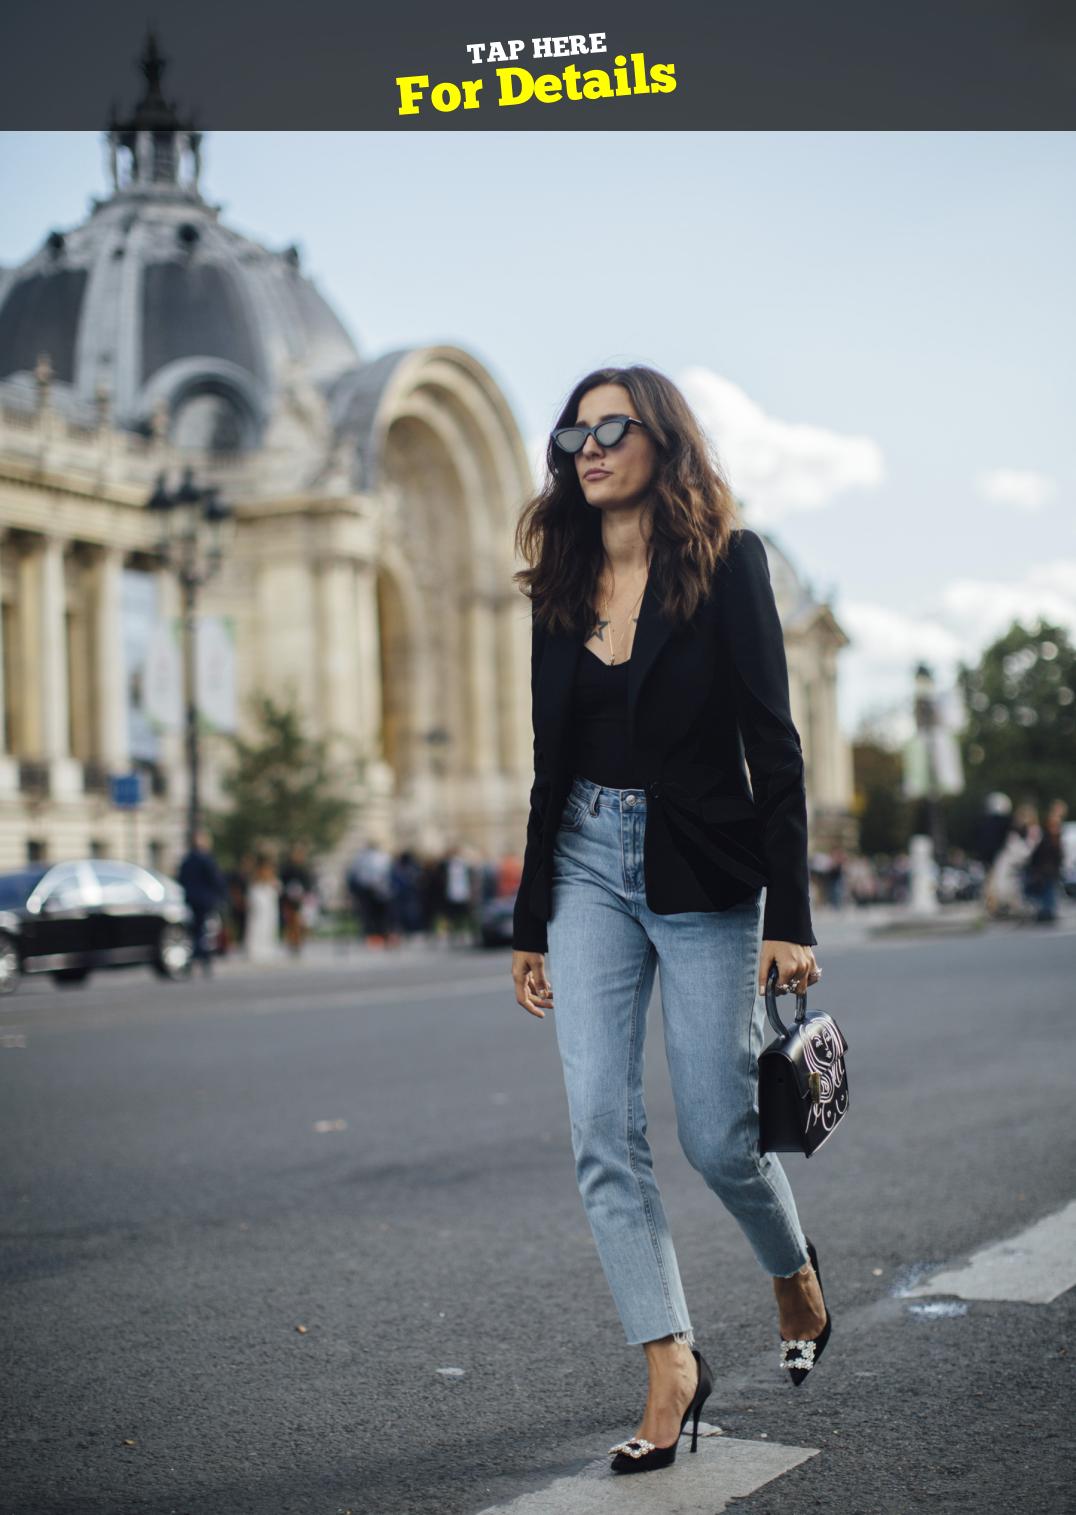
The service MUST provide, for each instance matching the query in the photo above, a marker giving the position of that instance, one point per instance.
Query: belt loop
(593, 806)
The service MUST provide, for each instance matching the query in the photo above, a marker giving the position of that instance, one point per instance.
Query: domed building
(368, 579)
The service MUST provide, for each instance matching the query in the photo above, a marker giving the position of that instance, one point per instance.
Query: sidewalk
(347, 952)
(856, 923)
(851, 924)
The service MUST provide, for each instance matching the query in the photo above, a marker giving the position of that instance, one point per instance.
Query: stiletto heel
(639, 1455)
(800, 1356)
(695, 1429)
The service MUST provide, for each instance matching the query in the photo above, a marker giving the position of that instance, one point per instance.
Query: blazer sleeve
(754, 636)
(528, 931)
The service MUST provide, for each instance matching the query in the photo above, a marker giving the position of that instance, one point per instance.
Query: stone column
(65, 775)
(513, 684)
(110, 671)
(825, 732)
(9, 766)
(368, 648)
(26, 738)
(338, 650)
(286, 623)
(483, 693)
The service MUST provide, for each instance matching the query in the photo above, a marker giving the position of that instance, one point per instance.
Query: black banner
(415, 65)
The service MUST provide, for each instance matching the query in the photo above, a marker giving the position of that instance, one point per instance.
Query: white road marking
(1031, 1268)
(938, 1309)
(721, 1470)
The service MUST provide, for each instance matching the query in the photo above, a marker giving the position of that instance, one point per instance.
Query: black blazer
(702, 696)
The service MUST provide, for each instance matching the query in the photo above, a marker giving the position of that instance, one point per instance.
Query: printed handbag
(802, 1078)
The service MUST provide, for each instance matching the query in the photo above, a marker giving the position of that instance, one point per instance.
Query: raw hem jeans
(604, 945)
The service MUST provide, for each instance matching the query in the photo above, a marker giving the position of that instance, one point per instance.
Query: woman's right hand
(533, 989)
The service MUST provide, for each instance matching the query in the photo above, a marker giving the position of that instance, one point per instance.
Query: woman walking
(658, 662)
(263, 912)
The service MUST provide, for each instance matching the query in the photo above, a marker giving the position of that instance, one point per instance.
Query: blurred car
(73, 918)
(495, 921)
(962, 881)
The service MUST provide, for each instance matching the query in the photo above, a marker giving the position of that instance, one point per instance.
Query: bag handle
(771, 1004)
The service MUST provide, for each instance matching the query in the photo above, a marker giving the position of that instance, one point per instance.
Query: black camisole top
(599, 723)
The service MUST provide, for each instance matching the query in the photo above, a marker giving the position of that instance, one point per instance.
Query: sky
(878, 330)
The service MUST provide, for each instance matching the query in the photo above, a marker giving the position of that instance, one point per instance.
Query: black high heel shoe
(800, 1356)
(639, 1455)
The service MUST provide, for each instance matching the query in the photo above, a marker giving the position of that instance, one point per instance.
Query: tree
(283, 788)
(1021, 704)
(884, 813)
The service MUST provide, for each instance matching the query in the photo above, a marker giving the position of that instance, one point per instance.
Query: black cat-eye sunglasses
(607, 433)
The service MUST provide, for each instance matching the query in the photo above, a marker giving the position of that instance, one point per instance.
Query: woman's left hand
(796, 967)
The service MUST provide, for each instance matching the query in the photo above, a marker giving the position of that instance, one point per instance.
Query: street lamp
(190, 543)
(927, 722)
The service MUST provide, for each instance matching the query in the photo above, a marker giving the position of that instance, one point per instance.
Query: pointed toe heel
(800, 1355)
(641, 1456)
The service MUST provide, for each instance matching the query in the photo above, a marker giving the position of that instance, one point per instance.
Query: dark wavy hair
(692, 510)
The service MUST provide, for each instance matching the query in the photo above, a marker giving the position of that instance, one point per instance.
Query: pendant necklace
(608, 619)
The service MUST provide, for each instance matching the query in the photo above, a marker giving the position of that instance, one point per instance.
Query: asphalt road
(376, 1151)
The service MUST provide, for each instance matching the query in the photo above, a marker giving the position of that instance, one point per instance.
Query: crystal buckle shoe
(809, 1349)
(637, 1455)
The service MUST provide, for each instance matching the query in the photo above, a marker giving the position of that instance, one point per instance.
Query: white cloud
(1020, 487)
(985, 610)
(876, 670)
(778, 468)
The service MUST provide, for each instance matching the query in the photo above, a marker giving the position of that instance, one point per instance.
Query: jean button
(630, 800)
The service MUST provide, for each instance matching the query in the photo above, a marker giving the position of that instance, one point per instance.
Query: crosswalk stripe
(1031, 1268)
(721, 1470)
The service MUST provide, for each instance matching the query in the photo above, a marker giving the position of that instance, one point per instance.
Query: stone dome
(794, 598)
(155, 303)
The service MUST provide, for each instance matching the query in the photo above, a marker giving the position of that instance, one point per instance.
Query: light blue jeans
(604, 944)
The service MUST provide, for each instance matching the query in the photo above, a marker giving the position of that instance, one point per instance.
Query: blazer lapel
(651, 634)
(560, 660)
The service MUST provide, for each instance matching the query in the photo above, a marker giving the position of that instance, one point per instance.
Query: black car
(71, 918)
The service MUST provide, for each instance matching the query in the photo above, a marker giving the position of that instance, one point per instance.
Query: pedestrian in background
(369, 881)
(238, 881)
(993, 827)
(457, 894)
(296, 885)
(263, 912)
(1042, 876)
(407, 879)
(509, 872)
(205, 888)
(1004, 884)
(835, 880)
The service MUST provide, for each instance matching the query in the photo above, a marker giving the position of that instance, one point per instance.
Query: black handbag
(802, 1079)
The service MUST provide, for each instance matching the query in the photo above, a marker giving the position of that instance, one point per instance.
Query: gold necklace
(609, 621)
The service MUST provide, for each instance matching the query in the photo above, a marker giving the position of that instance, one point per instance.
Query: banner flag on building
(215, 663)
(932, 753)
(214, 676)
(163, 688)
